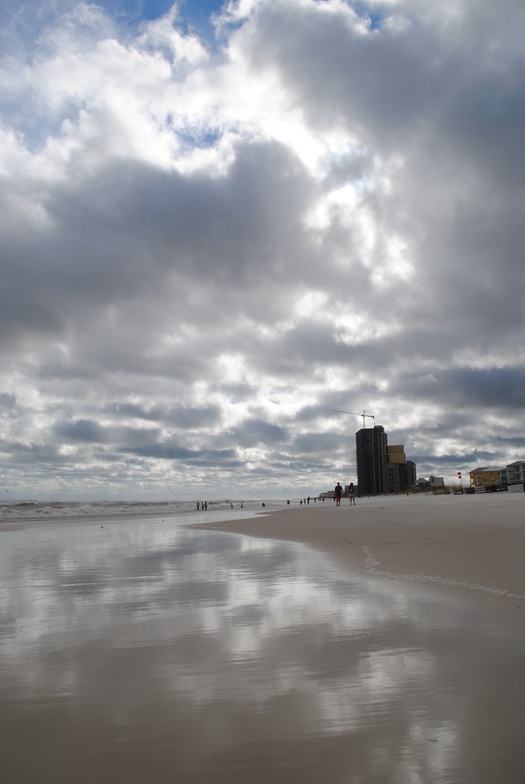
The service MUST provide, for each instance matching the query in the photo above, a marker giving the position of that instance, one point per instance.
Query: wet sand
(381, 644)
(466, 542)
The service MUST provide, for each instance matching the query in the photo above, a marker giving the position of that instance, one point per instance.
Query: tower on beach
(371, 445)
(381, 468)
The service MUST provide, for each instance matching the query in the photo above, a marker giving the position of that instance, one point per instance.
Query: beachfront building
(516, 473)
(371, 444)
(399, 476)
(494, 477)
(408, 475)
(395, 453)
(432, 483)
(381, 468)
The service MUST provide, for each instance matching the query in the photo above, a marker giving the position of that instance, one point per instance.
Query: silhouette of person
(338, 490)
(351, 493)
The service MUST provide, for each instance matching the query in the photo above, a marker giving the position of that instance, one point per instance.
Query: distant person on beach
(338, 490)
(351, 493)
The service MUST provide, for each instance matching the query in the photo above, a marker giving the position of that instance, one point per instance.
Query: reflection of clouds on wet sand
(241, 642)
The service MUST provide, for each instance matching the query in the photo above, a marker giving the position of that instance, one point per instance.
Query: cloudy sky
(220, 222)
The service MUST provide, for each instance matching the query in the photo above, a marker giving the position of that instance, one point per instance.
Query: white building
(516, 472)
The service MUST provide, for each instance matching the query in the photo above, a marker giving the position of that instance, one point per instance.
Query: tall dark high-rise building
(371, 448)
(381, 468)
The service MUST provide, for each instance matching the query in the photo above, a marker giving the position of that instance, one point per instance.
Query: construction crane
(364, 414)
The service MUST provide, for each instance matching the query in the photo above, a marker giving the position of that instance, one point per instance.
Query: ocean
(55, 510)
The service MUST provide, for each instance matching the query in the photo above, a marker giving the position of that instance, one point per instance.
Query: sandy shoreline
(471, 542)
(149, 648)
(474, 542)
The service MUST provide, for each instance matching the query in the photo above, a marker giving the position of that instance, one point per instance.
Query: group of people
(339, 492)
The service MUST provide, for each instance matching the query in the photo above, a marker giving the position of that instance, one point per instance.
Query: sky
(222, 223)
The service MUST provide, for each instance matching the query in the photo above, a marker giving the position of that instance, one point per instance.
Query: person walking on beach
(338, 490)
(351, 493)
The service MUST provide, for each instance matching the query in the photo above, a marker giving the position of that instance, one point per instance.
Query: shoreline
(160, 644)
(472, 542)
(475, 542)
(23, 523)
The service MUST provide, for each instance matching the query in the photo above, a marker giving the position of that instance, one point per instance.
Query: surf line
(371, 567)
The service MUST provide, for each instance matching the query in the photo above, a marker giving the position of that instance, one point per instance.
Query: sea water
(52, 510)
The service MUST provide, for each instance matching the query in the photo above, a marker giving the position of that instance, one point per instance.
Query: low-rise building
(432, 483)
(489, 476)
(516, 472)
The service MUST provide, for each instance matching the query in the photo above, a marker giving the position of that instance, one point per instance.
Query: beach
(382, 643)
(474, 542)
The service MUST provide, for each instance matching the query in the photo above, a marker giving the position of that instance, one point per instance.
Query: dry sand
(470, 542)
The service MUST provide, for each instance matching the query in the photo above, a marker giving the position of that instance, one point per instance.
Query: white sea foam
(51, 510)
(371, 567)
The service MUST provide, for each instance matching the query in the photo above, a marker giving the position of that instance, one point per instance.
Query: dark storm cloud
(33, 454)
(90, 432)
(133, 230)
(183, 417)
(478, 457)
(7, 403)
(379, 84)
(137, 411)
(183, 223)
(419, 69)
(254, 431)
(318, 443)
(451, 101)
(202, 456)
(496, 387)
(82, 430)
